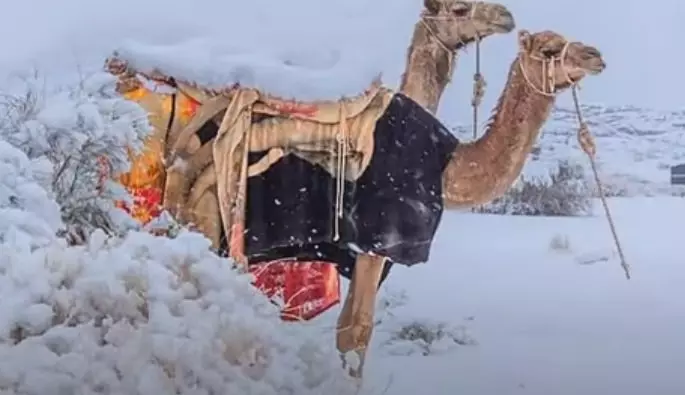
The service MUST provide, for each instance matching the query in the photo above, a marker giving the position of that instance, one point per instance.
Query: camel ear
(525, 40)
(433, 6)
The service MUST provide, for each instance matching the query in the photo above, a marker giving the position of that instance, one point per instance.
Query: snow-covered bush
(131, 314)
(566, 193)
(399, 332)
(82, 131)
(149, 315)
(427, 337)
(29, 218)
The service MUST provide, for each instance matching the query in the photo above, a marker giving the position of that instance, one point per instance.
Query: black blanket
(392, 210)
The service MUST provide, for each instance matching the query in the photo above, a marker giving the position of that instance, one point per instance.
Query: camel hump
(322, 111)
(129, 79)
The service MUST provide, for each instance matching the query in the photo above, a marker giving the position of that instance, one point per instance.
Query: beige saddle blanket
(337, 135)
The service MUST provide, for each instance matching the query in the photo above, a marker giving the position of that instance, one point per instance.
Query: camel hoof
(352, 363)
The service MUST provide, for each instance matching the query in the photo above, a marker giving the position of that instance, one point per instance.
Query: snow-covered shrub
(560, 242)
(83, 131)
(139, 314)
(401, 334)
(149, 315)
(130, 314)
(427, 338)
(567, 192)
(29, 218)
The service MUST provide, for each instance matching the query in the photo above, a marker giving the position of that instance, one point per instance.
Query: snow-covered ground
(547, 317)
(522, 305)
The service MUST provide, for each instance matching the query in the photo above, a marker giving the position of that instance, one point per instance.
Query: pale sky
(641, 41)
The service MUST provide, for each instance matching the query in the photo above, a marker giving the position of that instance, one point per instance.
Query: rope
(588, 145)
(478, 80)
(585, 139)
(169, 125)
(341, 171)
(452, 54)
(478, 90)
(548, 72)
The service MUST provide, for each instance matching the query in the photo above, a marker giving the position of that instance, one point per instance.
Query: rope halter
(478, 80)
(452, 52)
(549, 65)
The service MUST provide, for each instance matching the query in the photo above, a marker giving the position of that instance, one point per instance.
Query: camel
(483, 170)
(429, 67)
(434, 44)
(478, 172)
(444, 28)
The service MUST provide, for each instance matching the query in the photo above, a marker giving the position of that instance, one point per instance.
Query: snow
(543, 320)
(79, 132)
(30, 218)
(506, 305)
(136, 314)
(147, 315)
(216, 67)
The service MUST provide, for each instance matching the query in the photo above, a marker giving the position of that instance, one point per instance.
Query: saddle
(337, 135)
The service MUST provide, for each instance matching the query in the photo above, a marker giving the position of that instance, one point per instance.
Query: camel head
(457, 23)
(552, 63)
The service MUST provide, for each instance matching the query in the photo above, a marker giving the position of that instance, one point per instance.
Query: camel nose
(506, 19)
(603, 64)
(593, 54)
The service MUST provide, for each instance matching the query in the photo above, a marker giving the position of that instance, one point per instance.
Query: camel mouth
(506, 25)
(597, 68)
(592, 59)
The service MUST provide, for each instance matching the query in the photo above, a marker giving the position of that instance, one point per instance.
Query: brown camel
(436, 39)
(547, 64)
(483, 170)
(474, 173)
(445, 27)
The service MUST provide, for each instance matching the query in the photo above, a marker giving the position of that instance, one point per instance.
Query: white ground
(545, 322)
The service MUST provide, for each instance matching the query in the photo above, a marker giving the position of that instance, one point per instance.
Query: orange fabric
(188, 107)
(307, 289)
(147, 204)
(145, 180)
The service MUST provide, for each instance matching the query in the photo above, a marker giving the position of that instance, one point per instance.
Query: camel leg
(355, 323)
(207, 218)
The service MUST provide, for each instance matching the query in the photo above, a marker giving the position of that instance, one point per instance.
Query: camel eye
(460, 12)
(549, 53)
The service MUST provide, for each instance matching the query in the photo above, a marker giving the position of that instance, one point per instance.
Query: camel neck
(513, 129)
(428, 69)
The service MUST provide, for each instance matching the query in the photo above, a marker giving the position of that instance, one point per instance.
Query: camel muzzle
(506, 22)
(596, 63)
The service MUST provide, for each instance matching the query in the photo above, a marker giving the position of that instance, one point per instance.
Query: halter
(548, 65)
(441, 43)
